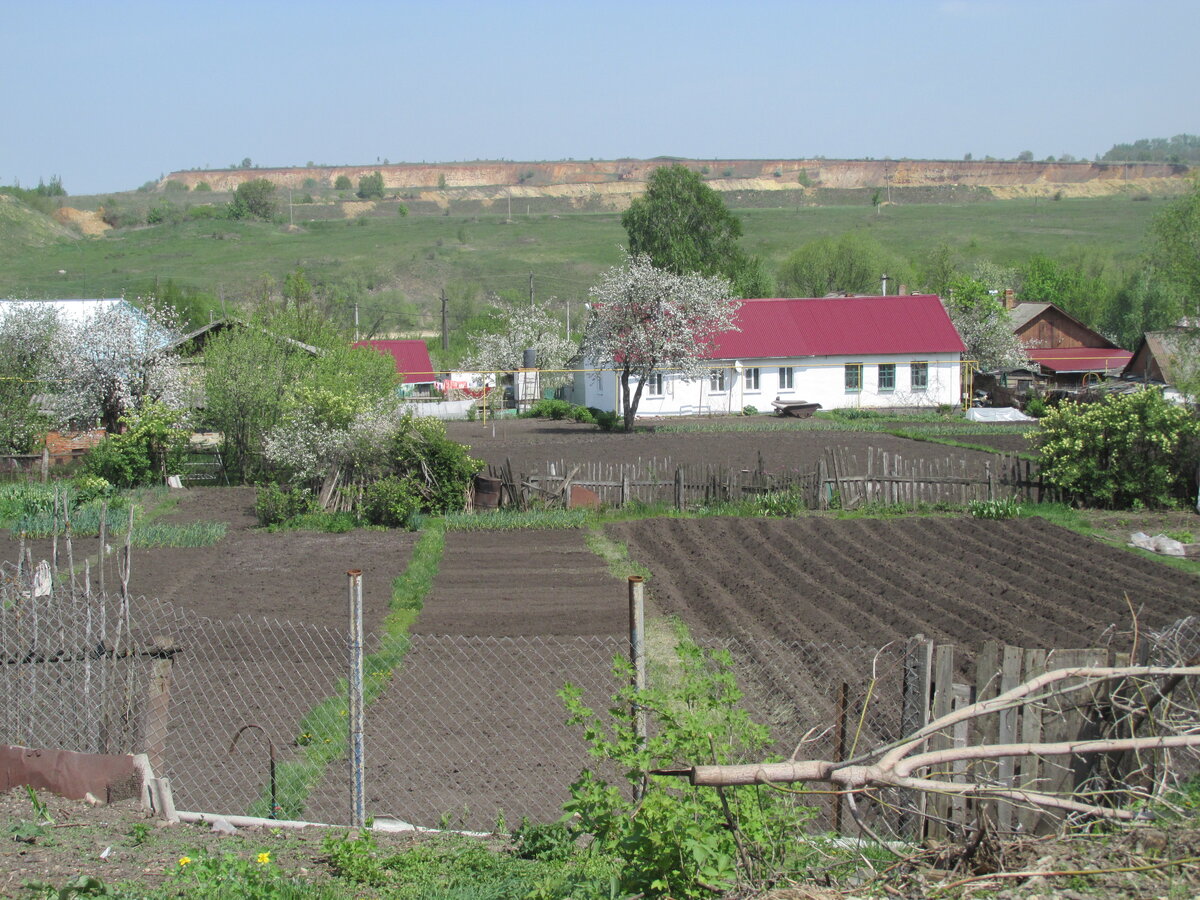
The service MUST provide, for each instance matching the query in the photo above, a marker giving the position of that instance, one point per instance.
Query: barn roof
(412, 359)
(1081, 359)
(839, 326)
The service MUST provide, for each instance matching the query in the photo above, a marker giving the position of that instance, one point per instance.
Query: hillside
(613, 183)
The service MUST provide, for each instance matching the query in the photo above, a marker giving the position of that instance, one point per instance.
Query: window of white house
(654, 384)
(716, 380)
(785, 378)
(853, 377)
(920, 376)
(887, 377)
(752, 379)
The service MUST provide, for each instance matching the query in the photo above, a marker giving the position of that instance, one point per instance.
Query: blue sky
(110, 95)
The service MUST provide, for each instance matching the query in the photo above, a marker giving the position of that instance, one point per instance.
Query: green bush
(1036, 406)
(749, 410)
(391, 501)
(274, 504)
(549, 409)
(677, 841)
(1128, 451)
(90, 487)
(605, 418)
(153, 446)
(440, 467)
(342, 183)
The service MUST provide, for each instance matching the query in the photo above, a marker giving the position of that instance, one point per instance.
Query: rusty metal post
(637, 652)
(358, 811)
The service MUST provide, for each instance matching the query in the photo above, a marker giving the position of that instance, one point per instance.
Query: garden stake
(637, 656)
(271, 750)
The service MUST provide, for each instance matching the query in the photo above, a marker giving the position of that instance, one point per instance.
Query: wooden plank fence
(839, 479)
(935, 686)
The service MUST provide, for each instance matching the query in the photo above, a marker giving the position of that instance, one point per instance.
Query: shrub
(605, 418)
(274, 504)
(749, 410)
(549, 409)
(1130, 450)
(90, 487)
(203, 186)
(440, 467)
(1036, 406)
(342, 183)
(175, 187)
(391, 501)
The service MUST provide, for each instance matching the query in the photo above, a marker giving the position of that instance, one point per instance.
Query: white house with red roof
(882, 352)
(412, 363)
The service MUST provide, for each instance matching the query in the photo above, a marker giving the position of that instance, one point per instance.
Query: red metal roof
(840, 326)
(1081, 359)
(412, 358)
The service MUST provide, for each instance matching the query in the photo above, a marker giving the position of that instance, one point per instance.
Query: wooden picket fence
(840, 479)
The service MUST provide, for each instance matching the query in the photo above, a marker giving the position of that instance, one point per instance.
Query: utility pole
(445, 327)
(531, 290)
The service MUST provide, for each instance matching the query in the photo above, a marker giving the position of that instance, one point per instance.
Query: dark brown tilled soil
(531, 443)
(471, 728)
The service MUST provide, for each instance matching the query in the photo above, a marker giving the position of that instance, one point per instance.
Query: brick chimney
(1010, 299)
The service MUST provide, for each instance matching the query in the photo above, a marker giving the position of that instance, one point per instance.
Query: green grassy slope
(413, 258)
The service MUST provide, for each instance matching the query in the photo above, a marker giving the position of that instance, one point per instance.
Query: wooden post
(843, 702)
(824, 489)
(1006, 732)
(943, 704)
(987, 686)
(624, 486)
(45, 464)
(158, 700)
(679, 487)
(637, 656)
(358, 812)
(914, 715)
(1028, 816)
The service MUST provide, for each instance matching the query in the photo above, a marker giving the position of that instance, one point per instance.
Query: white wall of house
(756, 382)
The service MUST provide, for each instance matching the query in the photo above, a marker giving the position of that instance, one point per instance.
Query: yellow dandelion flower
(184, 860)
(264, 858)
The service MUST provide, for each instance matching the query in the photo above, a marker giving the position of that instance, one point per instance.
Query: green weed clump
(1006, 508)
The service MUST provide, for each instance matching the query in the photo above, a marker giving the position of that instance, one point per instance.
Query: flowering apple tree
(645, 319)
(26, 334)
(518, 328)
(106, 365)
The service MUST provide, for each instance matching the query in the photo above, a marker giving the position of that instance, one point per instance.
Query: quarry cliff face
(619, 180)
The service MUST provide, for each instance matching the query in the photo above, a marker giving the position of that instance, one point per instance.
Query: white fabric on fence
(997, 414)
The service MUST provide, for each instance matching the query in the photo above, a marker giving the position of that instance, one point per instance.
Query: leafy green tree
(1175, 245)
(852, 263)
(1146, 301)
(1128, 451)
(342, 183)
(1084, 288)
(254, 199)
(371, 186)
(684, 226)
(1182, 148)
(984, 326)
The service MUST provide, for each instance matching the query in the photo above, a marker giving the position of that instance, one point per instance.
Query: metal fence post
(358, 812)
(637, 654)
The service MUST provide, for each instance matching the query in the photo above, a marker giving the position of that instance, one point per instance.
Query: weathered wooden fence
(839, 479)
(936, 684)
(846, 481)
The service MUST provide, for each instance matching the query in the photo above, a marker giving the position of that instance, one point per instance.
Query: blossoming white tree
(26, 335)
(108, 363)
(519, 328)
(645, 319)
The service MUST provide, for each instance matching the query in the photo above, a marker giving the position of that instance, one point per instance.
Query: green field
(395, 267)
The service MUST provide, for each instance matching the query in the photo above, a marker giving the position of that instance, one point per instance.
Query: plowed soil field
(531, 443)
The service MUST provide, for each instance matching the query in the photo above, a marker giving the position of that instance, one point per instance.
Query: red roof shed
(412, 359)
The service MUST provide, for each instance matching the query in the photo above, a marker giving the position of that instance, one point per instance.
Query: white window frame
(654, 384)
(857, 369)
(787, 378)
(914, 367)
(753, 376)
(716, 381)
(891, 368)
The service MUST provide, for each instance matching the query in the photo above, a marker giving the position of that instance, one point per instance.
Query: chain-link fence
(466, 731)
